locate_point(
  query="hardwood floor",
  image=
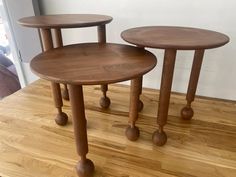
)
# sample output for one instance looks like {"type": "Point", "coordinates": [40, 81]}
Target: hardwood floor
{"type": "Point", "coordinates": [32, 145]}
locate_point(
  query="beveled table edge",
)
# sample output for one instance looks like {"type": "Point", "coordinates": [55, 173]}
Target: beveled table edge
{"type": "Point", "coordinates": [49, 26]}
{"type": "Point", "coordinates": [174, 47]}
{"type": "Point", "coordinates": [69, 82]}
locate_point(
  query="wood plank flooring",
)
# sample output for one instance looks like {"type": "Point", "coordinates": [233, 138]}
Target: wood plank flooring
{"type": "Point", "coordinates": [32, 145]}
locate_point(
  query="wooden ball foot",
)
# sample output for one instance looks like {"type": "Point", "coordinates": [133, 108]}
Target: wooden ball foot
{"type": "Point", "coordinates": [85, 168]}
{"type": "Point", "coordinates": [61, 119]}
{"type": "Point", "coordinates": [187, 113]}
{"type": "Point", "coordinates": [65, 95]}
{"type": "Point", "coordinates": [140, 106]}
{"type": "Point", "coordinates": [159, 138]}
{"type": "Point", "coordinates": [105, 102]}
{"type": "Point", "coordinates": [132, 133]}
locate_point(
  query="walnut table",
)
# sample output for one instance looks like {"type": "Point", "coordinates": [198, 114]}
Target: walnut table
{"type": "Point", "coordinates": [92, 64]}
{"type": "Point", "coordinates": [54, 23]}
{"type": "Point", "coordinates": [172, 39]}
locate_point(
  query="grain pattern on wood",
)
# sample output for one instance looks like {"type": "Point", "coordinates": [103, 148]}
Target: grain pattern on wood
{"type": "Point", "coordinates": [32, 145]}
{"type": "Point", "coordinates": [166, 37]}
{"type": "Point", "coordinates": [93, 63]}
{"type": "Point", "coordinates": [65, 21]}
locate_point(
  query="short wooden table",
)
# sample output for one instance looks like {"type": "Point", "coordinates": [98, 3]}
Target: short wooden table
{"type": "Point", "coordinates": [92, 64]}
{"type": "Point", "coordinates": [54, 23]}
{"type": "Point", "coordinates": [172, 39]}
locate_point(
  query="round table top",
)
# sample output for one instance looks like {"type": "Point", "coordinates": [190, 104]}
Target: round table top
{"type": "Point", "coordinates": [93, 63]}
{"type": "Point", "coordinates": [166, 37]}
{"type": "Point", "coordinates": [65, 21]}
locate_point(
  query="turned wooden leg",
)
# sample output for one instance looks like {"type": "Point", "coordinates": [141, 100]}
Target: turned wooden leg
{"type": "Point", "coordinates": [104, 101]}
{"type": "Point", "coordinates": [187, 111]}
{"type": "Point", "coordinates": [61, 118]}
{"type": "Point", "coordinates": [140, 104]}
{"type": "Point", "coordinates": [132, 132]}
{"type": "Point", "coordinates": [159, 137]}
{"type": "Point", "coordinates": [65, 93]}
{"type": "Point", "coordinates": [59, 43]}
{"type": "Point", "coordinates": [85, 167]}
{"type": "Point", "coordinates": [46, 39]}
{"type": "Point", "coordinates": [47, 44]}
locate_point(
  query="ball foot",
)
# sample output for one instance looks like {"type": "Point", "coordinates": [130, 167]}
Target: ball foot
{"type": "Point", "coordinates": [132, 133]}
{"type": "Point", "coordinates": [187, 113]}
{"type": "Point", "coordinates": [85, 169]}
{"type": "Point", "coordinates": [159, 138]}
{"type": "Point", "coordinates": [105, 102]}
{"type": "Point", "coordinates": [65, 95]}
{"type": "Point", "coordinates": [140, 106]}
{"type": "Point", "coordinates": [61, 119]}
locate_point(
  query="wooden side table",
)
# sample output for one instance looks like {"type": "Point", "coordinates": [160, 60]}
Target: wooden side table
{"type": "Point", "coordinates": [54, 23]}
{"type": "Point", "coordinates": [172, 39]}
{"type": "Point", "coordinates": [92, 64]}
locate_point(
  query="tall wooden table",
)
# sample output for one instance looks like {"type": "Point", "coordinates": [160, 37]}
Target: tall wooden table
{"type": "Point", "coordinates": [92, 64]}
{"type": "Point", "coordinates": [172, 39]}
{"type": "Point", "coordinates": [49, 24]}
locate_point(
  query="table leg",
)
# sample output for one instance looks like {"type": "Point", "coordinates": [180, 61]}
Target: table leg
{"type": "Point", "coordinates": [159, 137]}
{"type": "Point", "coordinates": [132, 132]}
{"type": "Point", "coordinates": [140, 104]}
{"type": "Point", "coordinates": [65, 93]}
{"type": "Point", "coordinates": [47, 44]}
{"type": "Point", "coordinates": [59, 43]}
{"type": "Point", "coordinates": [61, 118]}
{"type": "Point", "coordinates": [85, 167]}
{"type": "Point", "coordinates": [104, 101]}
{"type": "Point", "coordinates": [187, 112]}
{"type": "Point", "coordinates": [46, 39]}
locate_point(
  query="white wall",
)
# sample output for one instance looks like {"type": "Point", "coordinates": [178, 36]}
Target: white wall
{"type": "Point", "coordinates": [218, 75]}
